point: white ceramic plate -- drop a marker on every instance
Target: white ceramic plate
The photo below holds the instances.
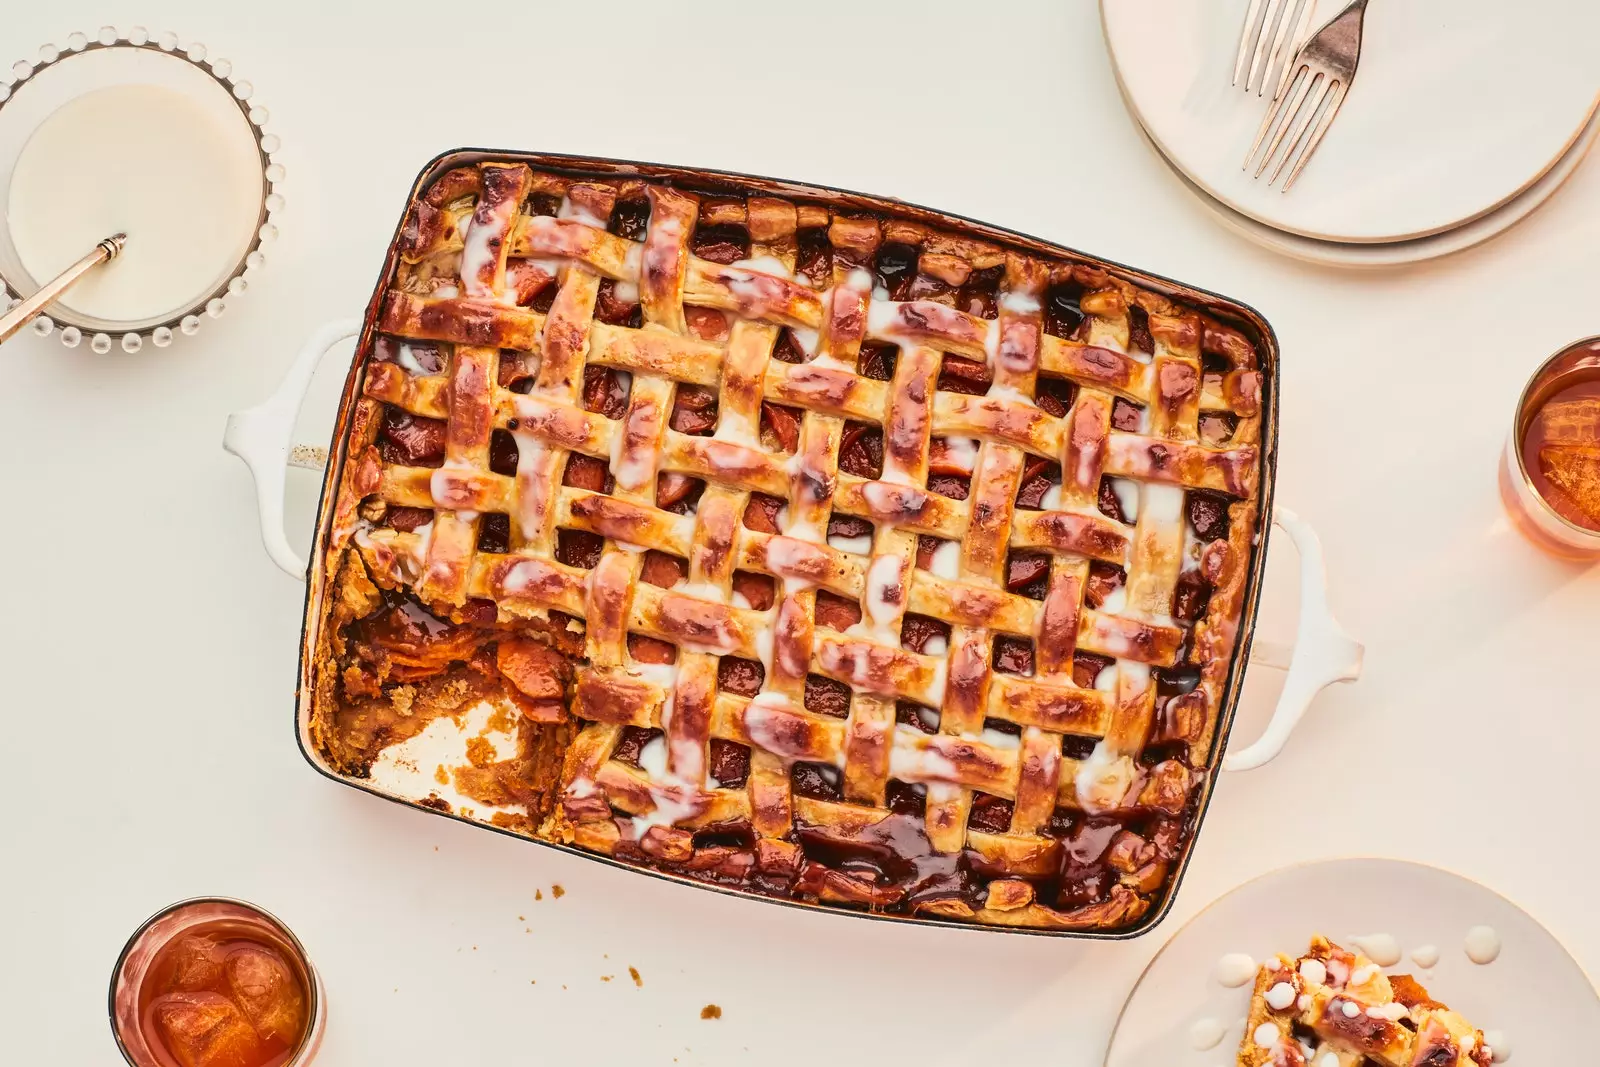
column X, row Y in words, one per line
column 1458, row 107
column 1394, row 253
column 1534, row 994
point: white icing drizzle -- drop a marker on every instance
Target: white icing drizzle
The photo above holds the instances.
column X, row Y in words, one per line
column 1314, row 972
column 1235, row 969
column 626, row 292
column 578, row 214
column 858, row 545
column 653, row 758
column 761, row 717
column 1162, row 505
column 784, row 555
column 1106, row 680
column 476, row 255
column 999, row 738
column 1051, row 501
column 1019, row 303
column 669, row 809
column 745, row 285
column 806, row 338
column 1280, row 996
column 764, row 643
column 408, row 360
column 800, row 530
column 883, row 578
column 632, row 469
column 1103, row 779
column 1115, row 601
column 1350, row 1008
column 1393, row 1011
column 1009, row 394
column 531, row 452
column 765, row 265
column 1425, row 955
column 440, row 484
column 946, row 561
column 1127, row 493
column 911, row 760
column 828, row 361
column 936, row 646
column 1381, row 949
column 1482, row 944
column 883, row 316
column 446, row 292
column 962, row 452
column 991, row 341
column 1266, row 1035
column 701, row 591
column 1363, row 974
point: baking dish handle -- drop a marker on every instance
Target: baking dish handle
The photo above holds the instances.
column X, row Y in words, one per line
column 1323, row 652
column 260, row 436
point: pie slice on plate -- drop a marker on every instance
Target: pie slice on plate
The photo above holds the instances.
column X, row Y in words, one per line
column 1336, row 1008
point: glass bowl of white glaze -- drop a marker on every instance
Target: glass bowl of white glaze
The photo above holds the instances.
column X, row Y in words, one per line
column 124, row 130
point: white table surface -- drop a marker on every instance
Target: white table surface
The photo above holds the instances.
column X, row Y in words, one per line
column 149, row 645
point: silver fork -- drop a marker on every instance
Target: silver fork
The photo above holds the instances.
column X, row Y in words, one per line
column 1265, row 39
column 1315, row 84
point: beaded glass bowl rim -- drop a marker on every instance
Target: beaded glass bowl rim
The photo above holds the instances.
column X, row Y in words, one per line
column 241, row 92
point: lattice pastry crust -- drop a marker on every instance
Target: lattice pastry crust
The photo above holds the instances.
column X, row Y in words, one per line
column 1002, row 508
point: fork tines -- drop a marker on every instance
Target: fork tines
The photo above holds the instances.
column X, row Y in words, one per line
column 1309, row 95
column 1266, row 43
column 1312, row 97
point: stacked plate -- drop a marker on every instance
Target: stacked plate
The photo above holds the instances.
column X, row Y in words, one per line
column 1464, row 116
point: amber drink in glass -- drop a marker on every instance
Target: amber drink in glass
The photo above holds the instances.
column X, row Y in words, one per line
column 1550, row 473
column 214, row 982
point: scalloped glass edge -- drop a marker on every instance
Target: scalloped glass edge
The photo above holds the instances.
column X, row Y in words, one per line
column 213, row 304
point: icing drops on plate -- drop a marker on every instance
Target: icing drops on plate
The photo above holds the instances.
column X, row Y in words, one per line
column 1235, row 969
column 1425, row 955
column 1482, row 944
column 1381, row 949
column 1206, row 1033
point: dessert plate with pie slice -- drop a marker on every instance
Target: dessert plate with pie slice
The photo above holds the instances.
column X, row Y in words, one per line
column 1391, row 944
column 1459, row 107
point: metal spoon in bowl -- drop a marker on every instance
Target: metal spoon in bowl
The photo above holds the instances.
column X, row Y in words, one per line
column 23, row 313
